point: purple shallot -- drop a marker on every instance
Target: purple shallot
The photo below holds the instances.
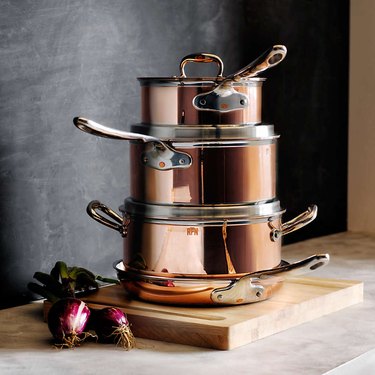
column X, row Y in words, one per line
column 112, row 325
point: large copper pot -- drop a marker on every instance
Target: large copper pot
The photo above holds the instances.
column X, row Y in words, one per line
column 190, row 255
column 200, row 240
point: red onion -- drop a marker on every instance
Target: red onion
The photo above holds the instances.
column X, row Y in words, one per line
column 67, row 320
column 111, row 325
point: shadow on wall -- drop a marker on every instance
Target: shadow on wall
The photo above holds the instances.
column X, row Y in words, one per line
column 82, row 58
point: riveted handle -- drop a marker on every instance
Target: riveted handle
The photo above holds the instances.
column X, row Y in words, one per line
column 298, row 222
column 158, row 154
column 119, row 224
column 253, row 287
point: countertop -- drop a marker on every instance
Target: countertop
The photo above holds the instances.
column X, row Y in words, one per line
column 315, row 347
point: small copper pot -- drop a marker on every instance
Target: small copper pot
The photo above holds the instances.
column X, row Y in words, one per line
column 235, row 99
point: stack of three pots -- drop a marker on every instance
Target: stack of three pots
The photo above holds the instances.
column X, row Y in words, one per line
column 203, row 222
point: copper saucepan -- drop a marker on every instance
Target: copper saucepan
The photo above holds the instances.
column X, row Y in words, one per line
column 235, row 99
column 201, row 165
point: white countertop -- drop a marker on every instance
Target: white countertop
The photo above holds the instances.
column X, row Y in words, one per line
column 315, row 347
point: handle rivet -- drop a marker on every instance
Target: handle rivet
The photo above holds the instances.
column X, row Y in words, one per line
column 202, row 102
column 182, row 161
column 219, row 297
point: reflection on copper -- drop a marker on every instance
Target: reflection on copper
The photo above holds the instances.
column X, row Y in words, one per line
column 167, row 246
column 172, row 105
column 220, row 175
column 230, row 266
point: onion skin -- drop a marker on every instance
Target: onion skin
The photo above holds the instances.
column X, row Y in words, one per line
column 112, row 325
column 67, row 320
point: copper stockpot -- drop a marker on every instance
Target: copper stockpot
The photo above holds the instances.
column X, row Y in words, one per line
column 200, row 254
column 200, row 240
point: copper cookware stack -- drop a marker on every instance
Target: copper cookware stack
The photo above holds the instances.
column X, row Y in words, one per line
column 203, row 224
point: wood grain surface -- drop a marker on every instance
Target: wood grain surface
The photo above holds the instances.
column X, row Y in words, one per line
column 300, row 300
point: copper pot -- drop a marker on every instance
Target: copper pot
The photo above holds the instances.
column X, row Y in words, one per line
column 225, row 290
column 190, row 255
column 200, row 240
column 235, row 99
column 202, row 165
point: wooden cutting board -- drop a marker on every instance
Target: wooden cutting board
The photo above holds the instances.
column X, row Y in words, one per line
column 298, row 301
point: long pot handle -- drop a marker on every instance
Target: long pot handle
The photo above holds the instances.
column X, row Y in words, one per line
column 268, row 59
column 224, row 97
column 298, row 222
column 158, row 154
column 94, row 209
column 249, row 288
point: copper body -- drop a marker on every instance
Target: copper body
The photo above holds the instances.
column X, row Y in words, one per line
column 200, row 250
column 219, row 175
column 187, row 294
column 172, row 105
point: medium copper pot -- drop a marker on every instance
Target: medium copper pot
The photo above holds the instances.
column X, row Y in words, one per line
column 202, row 165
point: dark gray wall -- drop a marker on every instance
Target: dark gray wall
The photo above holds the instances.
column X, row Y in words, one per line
column 60, row 59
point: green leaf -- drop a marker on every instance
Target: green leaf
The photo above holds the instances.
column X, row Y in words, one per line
column 63, row 269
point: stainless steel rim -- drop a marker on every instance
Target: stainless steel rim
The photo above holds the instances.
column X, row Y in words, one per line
column 248, row 133
column 203, row 215
column 195, row 81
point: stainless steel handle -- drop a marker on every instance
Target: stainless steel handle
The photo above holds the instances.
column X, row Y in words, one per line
column 265, row 61
column 158, row 154
column 201, row 57
column 119, row 224
column 300, row 267
column 253, row 288
column 298, row 222
column 224, row 98
column 91, row 127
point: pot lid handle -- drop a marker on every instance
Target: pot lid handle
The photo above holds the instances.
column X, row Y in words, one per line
column 201, row 57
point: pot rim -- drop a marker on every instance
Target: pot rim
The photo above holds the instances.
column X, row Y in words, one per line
column 206, row 215
column 195, row 81
column 246, row 132
column 126, row 270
